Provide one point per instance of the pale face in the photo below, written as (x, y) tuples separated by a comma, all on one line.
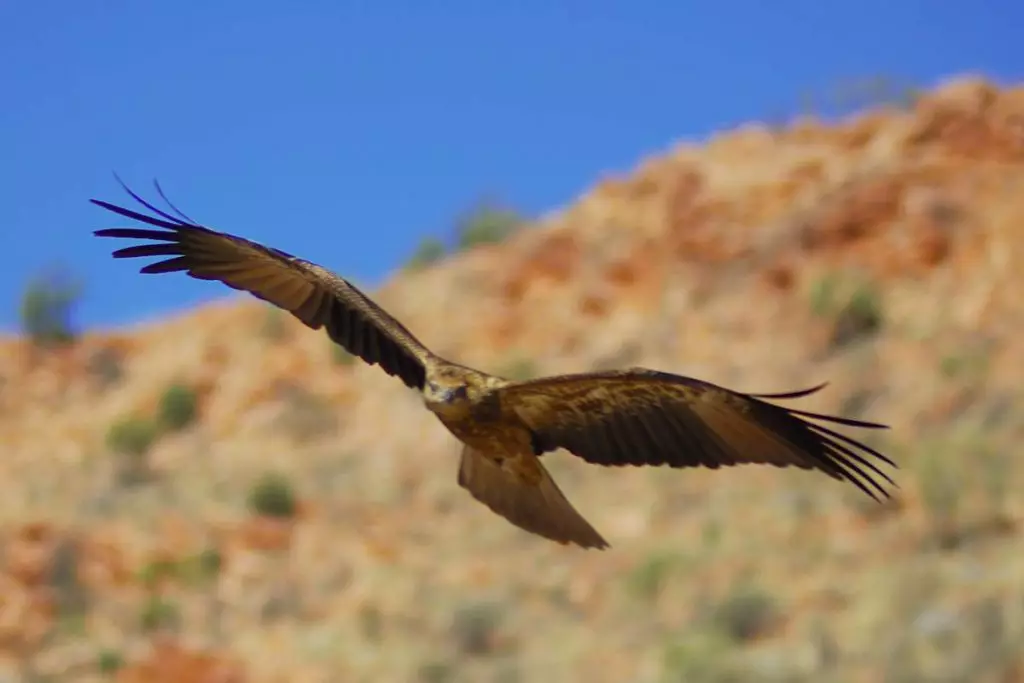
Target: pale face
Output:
[(442, 394)]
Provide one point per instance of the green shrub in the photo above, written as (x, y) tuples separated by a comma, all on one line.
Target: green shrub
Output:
[(207, 563), (486, 223), (46, 307), (109, 661), (745, 613), (430, 251), (132, 435), (177, 407), (106, 366), (273, 496)]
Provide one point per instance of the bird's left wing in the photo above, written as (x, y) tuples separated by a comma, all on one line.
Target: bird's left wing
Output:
[(311, 293), (645, 417)]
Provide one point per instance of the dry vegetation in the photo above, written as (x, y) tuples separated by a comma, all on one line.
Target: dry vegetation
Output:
[(222, 497)]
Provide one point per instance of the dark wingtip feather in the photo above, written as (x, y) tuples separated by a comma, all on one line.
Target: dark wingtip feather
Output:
[(143, 202), (135, 215), (136, 233), (799, 393), (181, 214), (158, 249), (848, 421), (171, 265)]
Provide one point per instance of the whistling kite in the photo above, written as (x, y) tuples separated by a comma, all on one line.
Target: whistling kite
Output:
[(624, 417)]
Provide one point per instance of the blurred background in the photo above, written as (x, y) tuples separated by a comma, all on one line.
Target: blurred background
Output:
[(197, 487)]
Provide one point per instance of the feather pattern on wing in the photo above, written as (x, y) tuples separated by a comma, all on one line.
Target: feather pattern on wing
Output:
[(313, 294), (645, 417)]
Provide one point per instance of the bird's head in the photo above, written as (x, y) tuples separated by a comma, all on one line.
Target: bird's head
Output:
[(446, 389), (441, 392)]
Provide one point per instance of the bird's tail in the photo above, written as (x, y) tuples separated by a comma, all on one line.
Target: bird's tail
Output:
[(533, 503)]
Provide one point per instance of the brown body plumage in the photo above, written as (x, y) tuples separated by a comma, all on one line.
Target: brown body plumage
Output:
[(626, 417)]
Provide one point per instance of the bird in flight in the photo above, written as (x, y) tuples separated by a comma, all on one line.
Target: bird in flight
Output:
[(634, 416)]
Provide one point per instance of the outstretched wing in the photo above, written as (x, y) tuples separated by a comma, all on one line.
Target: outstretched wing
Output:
[(523, 492), (314, 295), (645, 417)]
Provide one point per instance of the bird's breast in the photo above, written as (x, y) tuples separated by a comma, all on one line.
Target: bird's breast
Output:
[(487, 432)]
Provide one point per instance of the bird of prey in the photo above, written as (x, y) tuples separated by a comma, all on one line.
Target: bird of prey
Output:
[(633, 416)]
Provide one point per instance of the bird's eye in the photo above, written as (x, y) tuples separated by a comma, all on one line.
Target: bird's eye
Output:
[(460, 392)]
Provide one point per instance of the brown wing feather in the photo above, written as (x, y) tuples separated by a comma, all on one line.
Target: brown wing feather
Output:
[(645, 417), (314, 295), (533, 503)]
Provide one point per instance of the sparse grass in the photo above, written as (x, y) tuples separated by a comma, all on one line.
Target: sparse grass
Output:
[(711, 533), (371, 622), (71, 595), (955, 365), (340, 355), (861, 316), (436, 671), (824, 295), (648, 578), (178, 407), (995, 467), (967, 363), (106, 366), (153, 573), (273, 496), (519, 368), (306, 415), (941, 488), (473, 627), (704, 656), (745, 613), (982, 641), (966, 480), (273, 327), (194, 569), (856, 403), (849, 95), (852, 304), (159, 614), (72, 625)]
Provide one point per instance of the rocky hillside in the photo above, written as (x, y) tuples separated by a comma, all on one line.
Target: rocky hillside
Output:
[(223, 497)]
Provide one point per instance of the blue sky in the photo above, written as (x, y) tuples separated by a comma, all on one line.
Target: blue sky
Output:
[(347, 131)]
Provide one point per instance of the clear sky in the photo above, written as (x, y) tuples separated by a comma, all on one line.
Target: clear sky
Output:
[(346, 131)]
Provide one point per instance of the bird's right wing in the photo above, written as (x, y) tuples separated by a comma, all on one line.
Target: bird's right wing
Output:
[(311, 293)]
